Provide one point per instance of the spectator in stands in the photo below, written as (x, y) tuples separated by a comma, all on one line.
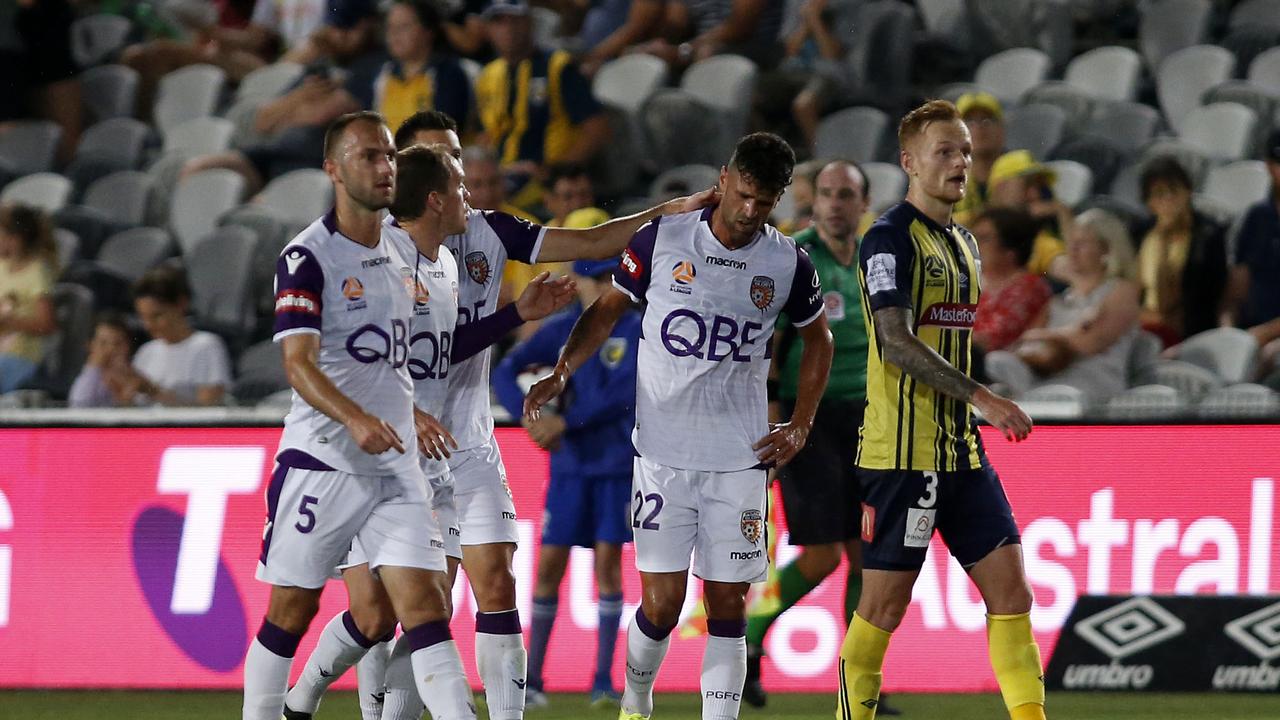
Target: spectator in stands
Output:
[(180, 365), (1182, 262), (28, 256), (813, 77), (422, 73), (350, 27), (692, 30), (1012, 296), (107, 372), (1085, 336), (485, 183), (464, 28), (1018, 182), (984, 116), (801, 192), (37, 72), (535, 107), (1255, 273), (643, 23)]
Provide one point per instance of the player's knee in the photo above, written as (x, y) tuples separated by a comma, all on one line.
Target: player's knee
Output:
[(293, 612), (374, 620), (495, 589), (1014, 599), (885, 613), (662, 612)]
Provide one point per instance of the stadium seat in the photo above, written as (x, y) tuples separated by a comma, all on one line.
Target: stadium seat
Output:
[(29, 146), (670, 118), (273, 232), (1038, 127), (1126, 186), (277, 401), (856, 133), (298, 197), (1010, 74), (1191, 381), (682, 181), (199, 201), (888, 184), (1245, 93), (1236, 186), (1146, 403), (219, 272), (629, 81), (1106, 73), (47, 191), (109, 91), (122, 197), (1193, 159), (259, 373), (943, 18), (1070, 99), (188, 93), (1168, 26), (881, 54), (107, 147), (270, 81), (1185, 76), (953, 91), (65, 351), (131, 253), (96, 38), (199, 136), (1099, 155), (1229, 353), (1058, 402), (1244, 400), (1251, 13), (1247, 43), (726, 83), (1128, 126), (68, 244), (1264, 71), (1221, 131), (1074, 183), (1143, 356)]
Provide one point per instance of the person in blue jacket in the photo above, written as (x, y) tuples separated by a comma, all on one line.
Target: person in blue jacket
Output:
[(588, 499)]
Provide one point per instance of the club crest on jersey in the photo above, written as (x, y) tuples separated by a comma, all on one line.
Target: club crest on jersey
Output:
[(478, 267), (752, 526), (353, 291), (613, 351), (762, 291), (683, 273)]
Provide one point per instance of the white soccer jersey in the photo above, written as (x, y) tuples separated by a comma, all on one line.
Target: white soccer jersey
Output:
[(435, 313), (360, 302), (483, 250), (705, 348)]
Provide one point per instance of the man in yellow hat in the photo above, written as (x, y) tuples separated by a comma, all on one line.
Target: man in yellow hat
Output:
[(984, 117), (1020, 182)]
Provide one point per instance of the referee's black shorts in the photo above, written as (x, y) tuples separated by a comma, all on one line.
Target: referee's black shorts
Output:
[(820, 495)]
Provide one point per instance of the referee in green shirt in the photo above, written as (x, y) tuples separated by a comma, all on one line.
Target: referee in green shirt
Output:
[(820, 495)]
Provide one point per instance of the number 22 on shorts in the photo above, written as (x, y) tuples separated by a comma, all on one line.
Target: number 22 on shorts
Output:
[(920, 520)]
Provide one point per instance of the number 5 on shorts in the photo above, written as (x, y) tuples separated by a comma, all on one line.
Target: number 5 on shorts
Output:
[(650, 520), (308, 521)]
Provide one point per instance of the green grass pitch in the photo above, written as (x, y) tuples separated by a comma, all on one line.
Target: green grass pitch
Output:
[(119, 705)]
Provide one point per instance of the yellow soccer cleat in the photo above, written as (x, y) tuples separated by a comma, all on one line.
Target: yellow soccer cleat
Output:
[(624, 715)]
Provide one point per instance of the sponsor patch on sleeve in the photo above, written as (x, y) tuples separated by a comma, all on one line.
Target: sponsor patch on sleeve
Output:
[(297, 301), (631, 264), (882, 273)]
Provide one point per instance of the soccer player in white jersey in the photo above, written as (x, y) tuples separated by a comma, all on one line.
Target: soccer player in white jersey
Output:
[(344, 474), (713, 283)]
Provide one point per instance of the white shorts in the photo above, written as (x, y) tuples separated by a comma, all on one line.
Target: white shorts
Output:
[(486, 512), (717, 516), (444, 513), (315, 517)]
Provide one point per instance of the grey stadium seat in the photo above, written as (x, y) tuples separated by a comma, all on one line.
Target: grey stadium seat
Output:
[(199, 201), (259, 373), (1147, 403), (131, 253), (1143, 356), (725, 83), (1221, 131), (1186, 75), (1241, 401), (96, 38), (1168, 26), (29, 146), (68, 246), (1074, 183), (121, 197), (1229, 353), (1263, 105), (1010, 74), (65, 351), (1236, 186), (1192, 381), (1255, 12), (1070, 99), (47, 191), (270, 81), (1264, 71), (119, 141), (1127, 125), (1106, 73), (888, 184), (219, 271), (629, 81), (299, 197), (187, 93), (1037, 127), (200, 136), (109, 91), (853, 134), (682, 181), (1099, 155), (1193, 158), (673, 116)]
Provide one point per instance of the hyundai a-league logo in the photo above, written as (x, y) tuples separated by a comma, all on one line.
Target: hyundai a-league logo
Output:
[(1130, 627), (1258, 632)]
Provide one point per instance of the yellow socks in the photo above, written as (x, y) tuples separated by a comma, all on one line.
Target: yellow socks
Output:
[(861, 660), (1016, 661)]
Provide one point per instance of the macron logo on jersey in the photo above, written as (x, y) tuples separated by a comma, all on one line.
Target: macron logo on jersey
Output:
[(950, 315), (293, 260)]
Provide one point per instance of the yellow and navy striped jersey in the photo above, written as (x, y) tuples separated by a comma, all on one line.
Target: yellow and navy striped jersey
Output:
[(907, 260), (442, 86), (531, 110)]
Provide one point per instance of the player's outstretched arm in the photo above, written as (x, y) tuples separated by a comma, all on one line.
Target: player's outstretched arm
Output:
[(902, 348), (541, 297), (788, 438), (585, 339), (301, 354), (607, 240)]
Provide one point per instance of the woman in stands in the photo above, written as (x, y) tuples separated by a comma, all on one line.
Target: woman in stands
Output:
[(28, 262), (1084, 336), (105, 380)]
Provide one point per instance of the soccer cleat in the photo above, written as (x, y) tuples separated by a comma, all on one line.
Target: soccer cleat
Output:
[(294, 714), (602, 698), (624, 715), (752, 691), (535, 699)]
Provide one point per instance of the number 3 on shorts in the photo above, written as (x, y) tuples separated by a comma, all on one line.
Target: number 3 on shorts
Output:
[(650, 520), (930, 490)]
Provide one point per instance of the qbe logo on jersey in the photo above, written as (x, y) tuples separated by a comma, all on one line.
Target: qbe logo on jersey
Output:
[(1259, 633), (1118, 632)]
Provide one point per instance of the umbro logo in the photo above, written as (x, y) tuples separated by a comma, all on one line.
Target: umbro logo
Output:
[(870, 703), (293, 260)]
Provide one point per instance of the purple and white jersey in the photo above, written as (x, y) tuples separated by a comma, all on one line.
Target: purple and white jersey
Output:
[(359, 301), (491, 239), (435, 313), (705, 346)]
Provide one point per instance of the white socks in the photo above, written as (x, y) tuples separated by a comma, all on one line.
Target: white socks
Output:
[(438, 673), (646, 647), (341, 645), (371, 671), (724, 669), (266, 672), (501, 660)]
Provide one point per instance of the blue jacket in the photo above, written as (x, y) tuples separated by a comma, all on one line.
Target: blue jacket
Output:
[(599, 403)]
